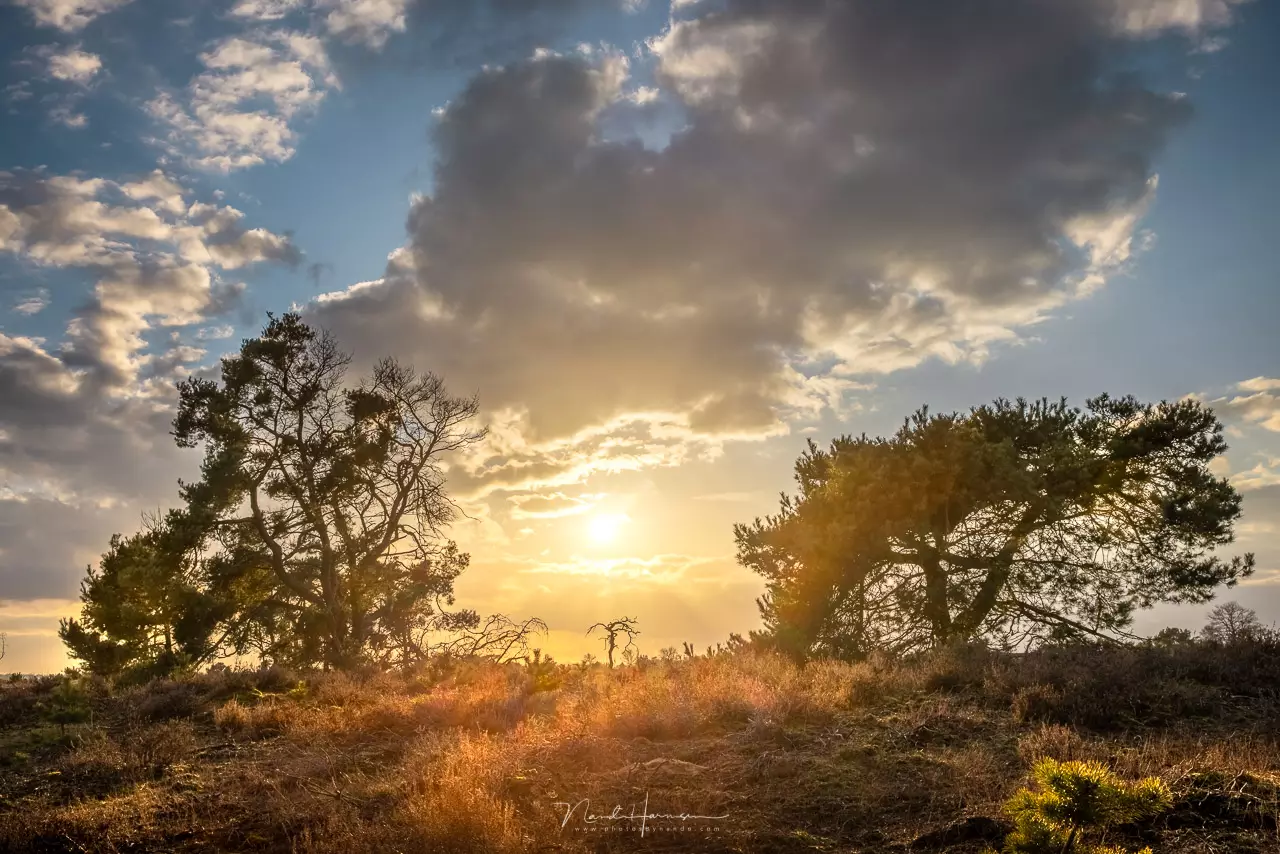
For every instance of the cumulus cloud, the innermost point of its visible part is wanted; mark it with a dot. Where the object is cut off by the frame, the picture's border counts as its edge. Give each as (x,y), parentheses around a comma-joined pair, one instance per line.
(857,188)
(160,188)
(239,111)
(68,15)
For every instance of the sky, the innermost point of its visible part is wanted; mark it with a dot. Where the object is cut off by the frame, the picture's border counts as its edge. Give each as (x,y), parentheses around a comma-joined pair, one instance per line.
(665,243)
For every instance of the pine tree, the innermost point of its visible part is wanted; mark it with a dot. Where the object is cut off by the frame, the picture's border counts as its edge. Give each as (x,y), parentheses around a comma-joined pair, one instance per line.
(1013,522)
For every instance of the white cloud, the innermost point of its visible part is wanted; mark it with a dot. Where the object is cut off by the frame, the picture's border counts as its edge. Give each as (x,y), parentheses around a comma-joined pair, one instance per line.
(69,15)
(1259,405)
(32,304)
(265,10)
(642,95)
(73,65)
(368,22)
(1259,384)
(100,225)
(1151,17)
(239,112)
(1264,474)
(157,187)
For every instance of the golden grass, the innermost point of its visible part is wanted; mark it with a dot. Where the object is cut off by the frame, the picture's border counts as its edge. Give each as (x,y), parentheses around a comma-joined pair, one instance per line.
(830,755)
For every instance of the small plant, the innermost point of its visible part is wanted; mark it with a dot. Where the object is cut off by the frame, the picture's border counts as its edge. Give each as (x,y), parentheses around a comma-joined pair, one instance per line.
(68,704)
(544,673)
(1077,800)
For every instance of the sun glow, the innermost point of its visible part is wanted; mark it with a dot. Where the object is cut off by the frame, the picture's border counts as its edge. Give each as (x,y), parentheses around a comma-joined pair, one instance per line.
(603,528)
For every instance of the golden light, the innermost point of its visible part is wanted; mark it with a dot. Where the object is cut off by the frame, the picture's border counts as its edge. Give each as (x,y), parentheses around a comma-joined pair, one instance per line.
(604,528)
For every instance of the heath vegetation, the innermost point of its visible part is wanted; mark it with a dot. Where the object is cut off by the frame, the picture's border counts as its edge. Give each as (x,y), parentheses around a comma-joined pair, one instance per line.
(946,660)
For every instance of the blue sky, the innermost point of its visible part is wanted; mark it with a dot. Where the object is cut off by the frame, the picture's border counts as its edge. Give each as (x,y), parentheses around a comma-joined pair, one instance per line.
(1021,218)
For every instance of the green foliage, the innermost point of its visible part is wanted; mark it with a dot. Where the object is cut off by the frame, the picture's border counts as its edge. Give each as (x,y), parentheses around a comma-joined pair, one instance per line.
(68,703)
(1014,522)
(1077,800)
(1171,638)
(544,673)
(147,609)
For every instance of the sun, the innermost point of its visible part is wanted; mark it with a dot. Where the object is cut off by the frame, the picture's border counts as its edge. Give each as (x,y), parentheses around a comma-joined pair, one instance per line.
(603,528)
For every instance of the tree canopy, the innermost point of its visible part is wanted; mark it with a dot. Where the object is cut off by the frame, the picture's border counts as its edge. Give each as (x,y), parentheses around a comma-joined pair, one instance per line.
(315,532)
(1014,522)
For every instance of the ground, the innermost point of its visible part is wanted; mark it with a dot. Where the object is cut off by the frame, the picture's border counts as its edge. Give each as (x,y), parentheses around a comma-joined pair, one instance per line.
(743,752)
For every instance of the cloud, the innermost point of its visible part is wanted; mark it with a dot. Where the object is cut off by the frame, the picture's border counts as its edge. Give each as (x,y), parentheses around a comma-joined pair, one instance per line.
(32,303)
(68,15)
(84,432)
(265,10)
(72,65)
(1152,17)
(66,115)
(1258,405)
(1262,475)
(239,111)
(552,506)
(158,187)
(368,22)
(666,569)
(856,188)
(461,34)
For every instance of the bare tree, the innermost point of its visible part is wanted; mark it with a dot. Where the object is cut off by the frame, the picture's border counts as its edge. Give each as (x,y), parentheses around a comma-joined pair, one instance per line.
(499,638)
(1231,622)
(4,639)
(624,626)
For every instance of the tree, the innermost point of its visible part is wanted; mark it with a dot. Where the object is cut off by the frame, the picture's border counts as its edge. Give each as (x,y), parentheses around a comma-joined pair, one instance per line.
(1171,637)
(326,503)
(4,640)
(1014,522)
(148,605)
(1230,623)
(314,534)
(613,630)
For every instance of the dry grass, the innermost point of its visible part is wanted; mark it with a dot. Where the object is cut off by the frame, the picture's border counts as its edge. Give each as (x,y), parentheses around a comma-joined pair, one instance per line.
(471,758)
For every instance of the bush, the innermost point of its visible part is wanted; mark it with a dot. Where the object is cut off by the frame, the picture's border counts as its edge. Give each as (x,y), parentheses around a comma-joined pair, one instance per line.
(1078,799)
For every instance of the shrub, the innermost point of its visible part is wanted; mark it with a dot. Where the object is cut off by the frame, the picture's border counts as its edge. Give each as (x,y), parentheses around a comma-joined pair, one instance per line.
(1077,799)
(68,704)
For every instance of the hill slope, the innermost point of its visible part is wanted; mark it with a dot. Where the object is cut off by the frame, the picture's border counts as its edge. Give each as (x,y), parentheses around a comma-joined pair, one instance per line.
(743,753)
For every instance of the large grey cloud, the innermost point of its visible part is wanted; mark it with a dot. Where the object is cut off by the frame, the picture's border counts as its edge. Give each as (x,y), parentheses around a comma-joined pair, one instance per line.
(857,187)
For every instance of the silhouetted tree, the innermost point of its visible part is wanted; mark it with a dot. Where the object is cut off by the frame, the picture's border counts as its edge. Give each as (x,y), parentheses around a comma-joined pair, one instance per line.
(1014,522)
(314,534)
(1231,622)
(148,604)
(1171,638)
(326,502)
(615,629)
